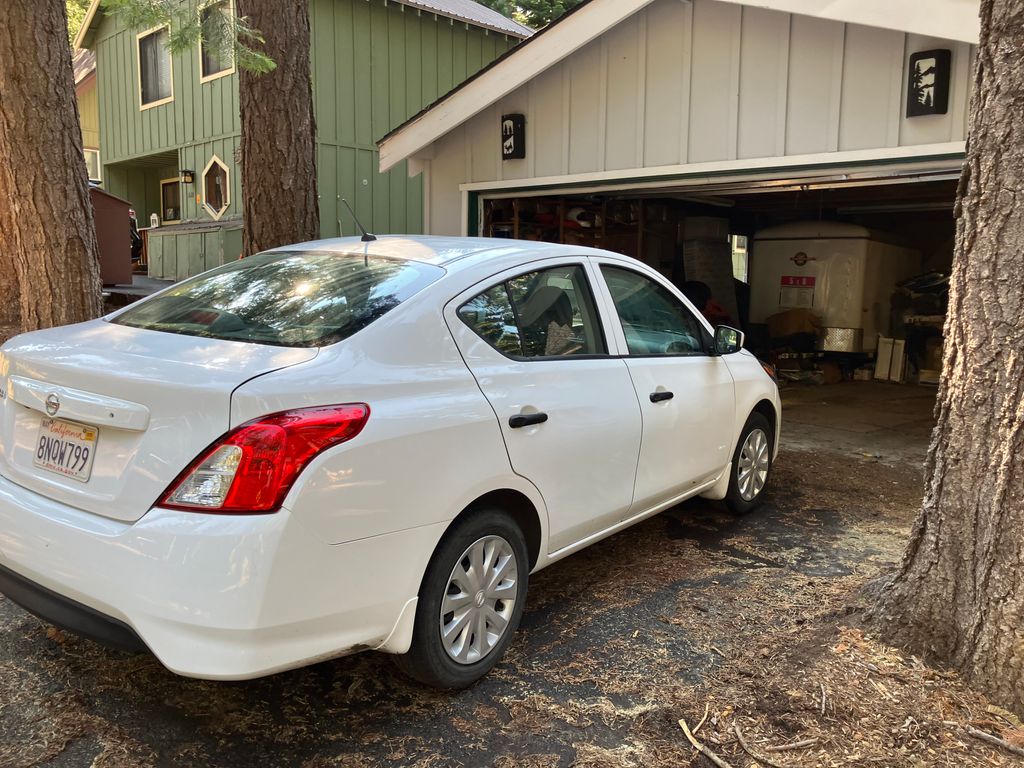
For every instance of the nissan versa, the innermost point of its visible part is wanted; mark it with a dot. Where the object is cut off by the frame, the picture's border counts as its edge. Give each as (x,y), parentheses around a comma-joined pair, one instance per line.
(346,445)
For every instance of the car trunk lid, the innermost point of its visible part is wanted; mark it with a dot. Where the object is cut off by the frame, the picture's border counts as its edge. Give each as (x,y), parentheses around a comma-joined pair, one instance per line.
(103,417)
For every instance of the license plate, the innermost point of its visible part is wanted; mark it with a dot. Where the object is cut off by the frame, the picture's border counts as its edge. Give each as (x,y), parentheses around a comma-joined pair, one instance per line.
(66,449)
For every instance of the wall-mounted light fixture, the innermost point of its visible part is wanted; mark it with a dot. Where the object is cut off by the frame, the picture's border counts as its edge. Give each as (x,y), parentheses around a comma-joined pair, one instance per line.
(187,177)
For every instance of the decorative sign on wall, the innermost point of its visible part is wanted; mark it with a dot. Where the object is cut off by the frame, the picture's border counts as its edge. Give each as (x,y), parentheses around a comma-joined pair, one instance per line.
(797,291)
(513,137)
(928,83)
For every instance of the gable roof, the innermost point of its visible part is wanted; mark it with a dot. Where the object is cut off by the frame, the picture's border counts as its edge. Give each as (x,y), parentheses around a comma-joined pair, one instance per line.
(466,11)
(946,19)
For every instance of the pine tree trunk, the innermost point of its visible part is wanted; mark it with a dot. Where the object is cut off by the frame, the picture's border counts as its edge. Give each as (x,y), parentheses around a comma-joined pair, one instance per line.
(49,268)
(279,190)
(959,594)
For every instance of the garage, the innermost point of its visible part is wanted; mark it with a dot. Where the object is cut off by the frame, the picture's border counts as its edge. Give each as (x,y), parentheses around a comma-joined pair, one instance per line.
(815,276)
(794,173)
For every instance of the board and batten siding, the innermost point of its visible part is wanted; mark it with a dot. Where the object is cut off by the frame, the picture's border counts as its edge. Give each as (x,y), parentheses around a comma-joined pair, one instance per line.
(695,82)
(376,64)
(200,112)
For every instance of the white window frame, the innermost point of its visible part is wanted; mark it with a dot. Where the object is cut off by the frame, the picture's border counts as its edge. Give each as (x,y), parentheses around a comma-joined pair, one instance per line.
(223,73)
(138,68)
(99,165)
(216,215)
(163,183)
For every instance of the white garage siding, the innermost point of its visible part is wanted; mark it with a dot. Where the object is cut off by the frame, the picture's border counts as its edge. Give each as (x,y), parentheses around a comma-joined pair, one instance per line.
(683,83)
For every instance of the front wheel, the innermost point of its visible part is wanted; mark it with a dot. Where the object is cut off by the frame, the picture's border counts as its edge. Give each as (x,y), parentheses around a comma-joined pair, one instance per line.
(751,465)
(470,602)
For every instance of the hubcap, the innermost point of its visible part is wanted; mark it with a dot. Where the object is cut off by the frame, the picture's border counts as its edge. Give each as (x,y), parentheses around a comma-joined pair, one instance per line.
(752,468)
(479,600)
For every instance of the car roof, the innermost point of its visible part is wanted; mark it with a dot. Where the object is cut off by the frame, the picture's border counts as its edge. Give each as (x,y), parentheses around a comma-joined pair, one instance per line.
(450,253)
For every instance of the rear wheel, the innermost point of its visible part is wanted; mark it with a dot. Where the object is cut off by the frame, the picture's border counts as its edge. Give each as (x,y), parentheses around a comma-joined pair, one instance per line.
(470,602)
(751,465)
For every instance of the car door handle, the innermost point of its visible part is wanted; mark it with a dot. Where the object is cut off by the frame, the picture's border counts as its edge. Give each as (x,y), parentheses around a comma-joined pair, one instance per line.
(527,420)
(660,397)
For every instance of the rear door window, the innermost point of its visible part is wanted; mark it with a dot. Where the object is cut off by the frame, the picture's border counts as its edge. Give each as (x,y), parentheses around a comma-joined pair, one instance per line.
(549,313)
(289,299)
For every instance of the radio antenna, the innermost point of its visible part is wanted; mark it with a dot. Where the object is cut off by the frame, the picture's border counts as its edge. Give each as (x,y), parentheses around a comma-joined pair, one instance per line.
(368,237)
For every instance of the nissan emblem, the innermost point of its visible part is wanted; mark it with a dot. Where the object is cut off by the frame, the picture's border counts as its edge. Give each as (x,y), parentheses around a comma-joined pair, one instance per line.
(52,404)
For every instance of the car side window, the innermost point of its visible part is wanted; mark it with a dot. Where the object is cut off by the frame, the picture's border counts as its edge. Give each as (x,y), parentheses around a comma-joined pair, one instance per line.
(490,314)
(654,321)
(543,314)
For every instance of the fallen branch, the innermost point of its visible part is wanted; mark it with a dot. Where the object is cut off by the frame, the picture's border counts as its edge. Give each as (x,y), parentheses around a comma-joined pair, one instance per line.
(988,738)
(701,748)
(794,745)
(749,750)
(707,708)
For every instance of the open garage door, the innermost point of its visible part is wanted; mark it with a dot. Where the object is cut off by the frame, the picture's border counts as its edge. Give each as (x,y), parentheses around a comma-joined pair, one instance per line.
(833,278)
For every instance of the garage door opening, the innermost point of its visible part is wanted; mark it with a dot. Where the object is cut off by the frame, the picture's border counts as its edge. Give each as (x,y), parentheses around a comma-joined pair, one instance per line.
(837,280)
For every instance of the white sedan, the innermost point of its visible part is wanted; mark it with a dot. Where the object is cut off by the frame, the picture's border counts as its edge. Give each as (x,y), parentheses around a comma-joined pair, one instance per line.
(343,446)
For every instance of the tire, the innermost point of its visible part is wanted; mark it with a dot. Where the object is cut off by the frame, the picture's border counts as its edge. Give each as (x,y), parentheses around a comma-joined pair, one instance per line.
(751,465)
(478,537)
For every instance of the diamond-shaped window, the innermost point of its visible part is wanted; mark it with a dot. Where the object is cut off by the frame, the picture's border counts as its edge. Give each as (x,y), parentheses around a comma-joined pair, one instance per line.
(216,192)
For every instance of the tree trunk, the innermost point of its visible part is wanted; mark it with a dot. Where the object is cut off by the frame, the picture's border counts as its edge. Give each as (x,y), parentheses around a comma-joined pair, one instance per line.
(49,267)
(959,593)
(279,190)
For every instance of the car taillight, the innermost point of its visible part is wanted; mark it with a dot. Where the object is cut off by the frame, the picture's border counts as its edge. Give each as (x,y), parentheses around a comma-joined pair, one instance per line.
(251,469)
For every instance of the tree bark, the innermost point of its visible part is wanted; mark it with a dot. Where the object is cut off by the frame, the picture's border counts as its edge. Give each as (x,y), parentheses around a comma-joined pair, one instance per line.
(959,593)
(49,261)
(279,189)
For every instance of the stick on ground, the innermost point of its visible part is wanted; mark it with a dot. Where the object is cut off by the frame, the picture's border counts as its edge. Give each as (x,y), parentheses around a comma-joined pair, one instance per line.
(707,708)
(701,748)
(988,738)
(749,750)
(794,745)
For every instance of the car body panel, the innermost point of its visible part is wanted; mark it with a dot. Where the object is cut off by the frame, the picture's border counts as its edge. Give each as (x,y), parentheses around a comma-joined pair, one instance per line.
(157,399)
(430,427)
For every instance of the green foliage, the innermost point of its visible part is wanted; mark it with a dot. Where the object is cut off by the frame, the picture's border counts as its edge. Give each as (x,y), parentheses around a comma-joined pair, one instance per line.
(540,13)
(534,13)
(224,33)
(76,15)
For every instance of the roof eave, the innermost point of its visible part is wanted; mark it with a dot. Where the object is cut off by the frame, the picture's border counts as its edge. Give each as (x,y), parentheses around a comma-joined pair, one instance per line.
(86,28)
(523,34)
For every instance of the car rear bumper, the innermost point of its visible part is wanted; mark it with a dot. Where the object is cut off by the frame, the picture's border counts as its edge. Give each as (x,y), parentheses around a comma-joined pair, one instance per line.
(68,614)
(214,597)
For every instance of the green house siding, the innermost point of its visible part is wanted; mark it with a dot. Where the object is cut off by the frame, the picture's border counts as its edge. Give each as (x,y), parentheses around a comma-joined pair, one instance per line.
(375,64)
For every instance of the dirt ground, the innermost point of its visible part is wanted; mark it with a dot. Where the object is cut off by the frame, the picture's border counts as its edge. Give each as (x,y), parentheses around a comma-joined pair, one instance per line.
(694,615)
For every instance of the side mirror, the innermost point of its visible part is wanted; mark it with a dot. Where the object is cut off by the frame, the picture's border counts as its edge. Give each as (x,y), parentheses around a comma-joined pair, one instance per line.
(728,341)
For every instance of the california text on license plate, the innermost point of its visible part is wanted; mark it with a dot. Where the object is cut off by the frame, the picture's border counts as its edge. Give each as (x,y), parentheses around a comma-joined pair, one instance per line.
(66,448)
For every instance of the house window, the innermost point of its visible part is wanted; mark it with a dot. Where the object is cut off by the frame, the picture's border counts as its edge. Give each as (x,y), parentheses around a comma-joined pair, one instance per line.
(216,194)
(154,68)
(170,201)
(92,164)
(216,23)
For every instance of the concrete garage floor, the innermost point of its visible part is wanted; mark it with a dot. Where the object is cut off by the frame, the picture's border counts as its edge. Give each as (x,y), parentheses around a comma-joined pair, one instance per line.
(694,608)
(891,423)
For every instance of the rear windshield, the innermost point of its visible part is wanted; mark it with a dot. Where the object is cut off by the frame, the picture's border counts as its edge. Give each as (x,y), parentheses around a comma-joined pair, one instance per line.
(289,299)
